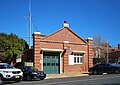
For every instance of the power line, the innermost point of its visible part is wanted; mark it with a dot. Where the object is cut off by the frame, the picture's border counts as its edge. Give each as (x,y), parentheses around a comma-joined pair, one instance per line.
(34,25)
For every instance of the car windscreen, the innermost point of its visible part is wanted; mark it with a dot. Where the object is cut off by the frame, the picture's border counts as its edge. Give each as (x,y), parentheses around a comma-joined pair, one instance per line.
(6,66)
(35,69)
(32,69)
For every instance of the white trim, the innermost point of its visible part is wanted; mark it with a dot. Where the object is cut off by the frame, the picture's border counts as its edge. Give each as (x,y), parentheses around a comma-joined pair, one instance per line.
(54,50)
(37,33)
(61,63)
(90,38)
(75,51)
(42,61)
(65,41)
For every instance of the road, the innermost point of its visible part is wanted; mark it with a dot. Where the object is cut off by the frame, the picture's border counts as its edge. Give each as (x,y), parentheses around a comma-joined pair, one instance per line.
(110,79)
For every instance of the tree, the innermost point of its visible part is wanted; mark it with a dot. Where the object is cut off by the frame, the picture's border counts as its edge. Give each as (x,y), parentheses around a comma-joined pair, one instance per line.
(11,46)
(101,48)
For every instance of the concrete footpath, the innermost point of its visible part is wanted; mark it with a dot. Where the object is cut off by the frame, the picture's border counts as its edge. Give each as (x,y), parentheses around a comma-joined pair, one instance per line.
(63,75)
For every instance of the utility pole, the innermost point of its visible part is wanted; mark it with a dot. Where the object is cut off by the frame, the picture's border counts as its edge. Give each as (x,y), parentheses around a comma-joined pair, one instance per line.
(30,23)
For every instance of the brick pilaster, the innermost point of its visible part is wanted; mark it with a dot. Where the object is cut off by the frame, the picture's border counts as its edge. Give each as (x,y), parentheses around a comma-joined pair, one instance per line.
(66,47)
(90,52)
(36,47)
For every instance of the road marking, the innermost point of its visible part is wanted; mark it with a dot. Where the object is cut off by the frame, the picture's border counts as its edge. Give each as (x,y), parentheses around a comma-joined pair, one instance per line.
(78,80)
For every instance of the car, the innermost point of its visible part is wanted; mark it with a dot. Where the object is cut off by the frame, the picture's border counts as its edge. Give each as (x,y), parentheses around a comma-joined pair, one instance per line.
(30,73)
(9,73)
(104,68)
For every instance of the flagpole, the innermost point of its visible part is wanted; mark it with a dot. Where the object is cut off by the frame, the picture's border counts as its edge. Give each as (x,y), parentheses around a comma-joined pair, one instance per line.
(30,23)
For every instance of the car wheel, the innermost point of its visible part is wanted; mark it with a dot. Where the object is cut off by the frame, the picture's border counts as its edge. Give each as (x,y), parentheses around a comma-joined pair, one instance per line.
(117,71)
(95,72)
(41,78)
(1,80)
(29,78)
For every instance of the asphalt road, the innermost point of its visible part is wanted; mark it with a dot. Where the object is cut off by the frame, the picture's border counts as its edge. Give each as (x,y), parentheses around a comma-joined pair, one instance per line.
(110,79)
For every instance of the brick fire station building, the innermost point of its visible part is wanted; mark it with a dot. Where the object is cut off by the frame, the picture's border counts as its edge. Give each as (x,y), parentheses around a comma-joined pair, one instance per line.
(62,51)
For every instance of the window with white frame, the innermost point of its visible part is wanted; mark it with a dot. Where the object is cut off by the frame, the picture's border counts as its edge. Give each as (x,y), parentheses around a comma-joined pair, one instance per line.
(78,58)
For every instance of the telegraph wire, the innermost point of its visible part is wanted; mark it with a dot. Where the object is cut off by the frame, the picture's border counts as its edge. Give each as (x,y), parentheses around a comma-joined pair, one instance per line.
(36,29)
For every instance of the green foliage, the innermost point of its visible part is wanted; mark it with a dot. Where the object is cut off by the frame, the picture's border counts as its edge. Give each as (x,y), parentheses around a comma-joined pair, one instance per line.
(11,46)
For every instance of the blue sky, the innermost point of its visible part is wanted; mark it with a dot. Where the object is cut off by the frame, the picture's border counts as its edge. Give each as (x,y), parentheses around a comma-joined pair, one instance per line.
(85,17)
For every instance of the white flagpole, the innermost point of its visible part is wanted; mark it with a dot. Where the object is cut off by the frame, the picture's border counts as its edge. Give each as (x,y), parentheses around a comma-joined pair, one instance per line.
(30,23)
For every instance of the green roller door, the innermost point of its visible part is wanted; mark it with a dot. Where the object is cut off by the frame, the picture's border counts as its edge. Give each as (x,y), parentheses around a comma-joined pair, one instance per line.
(51,62)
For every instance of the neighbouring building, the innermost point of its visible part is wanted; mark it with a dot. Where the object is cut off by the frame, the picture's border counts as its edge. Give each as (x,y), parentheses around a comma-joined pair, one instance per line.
(114,55)
(62,51)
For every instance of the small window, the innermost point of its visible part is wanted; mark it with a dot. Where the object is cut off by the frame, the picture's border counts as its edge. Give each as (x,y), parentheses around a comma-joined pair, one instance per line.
(53,64)
(78,58)
(44,57)
(53,57)
(44,64)
(48,64)
(57,64)
(48,57)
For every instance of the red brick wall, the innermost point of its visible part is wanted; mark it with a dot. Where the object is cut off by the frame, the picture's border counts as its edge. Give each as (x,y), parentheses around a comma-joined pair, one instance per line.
(51,45)
(76,67)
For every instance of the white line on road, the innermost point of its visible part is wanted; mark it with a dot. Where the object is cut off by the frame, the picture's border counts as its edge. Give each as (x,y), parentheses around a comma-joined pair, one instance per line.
(78,80)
